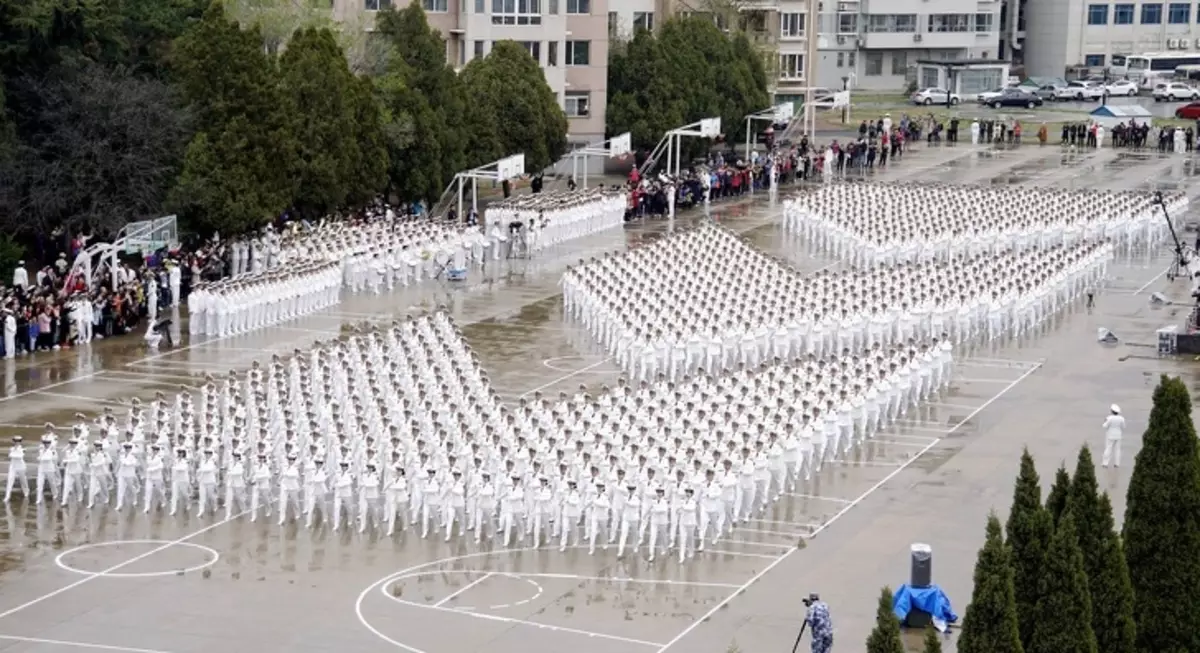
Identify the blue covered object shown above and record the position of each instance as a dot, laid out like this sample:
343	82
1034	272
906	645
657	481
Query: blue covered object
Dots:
929	599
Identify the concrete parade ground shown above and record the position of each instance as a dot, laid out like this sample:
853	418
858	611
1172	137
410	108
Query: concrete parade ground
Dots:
78	579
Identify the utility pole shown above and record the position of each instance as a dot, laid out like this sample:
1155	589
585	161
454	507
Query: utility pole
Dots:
810	69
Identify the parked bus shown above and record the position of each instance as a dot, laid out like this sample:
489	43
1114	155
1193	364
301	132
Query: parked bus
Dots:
1189	74
1155	68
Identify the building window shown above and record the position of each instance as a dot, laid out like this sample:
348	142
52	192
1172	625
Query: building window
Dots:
1097	14
847	23
612	25
851	59
984	22
899	63
480	6
1093	60
791	66
534	48
950	22
643	20
1123	14
579	6
1118	60
552	8
1179	13
552	53
841	60
1152	14
516	12
436	6
478	49
577	103
874	64
579	53
903	23
376	5
791	25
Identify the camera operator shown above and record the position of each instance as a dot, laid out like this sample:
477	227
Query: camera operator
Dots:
821	624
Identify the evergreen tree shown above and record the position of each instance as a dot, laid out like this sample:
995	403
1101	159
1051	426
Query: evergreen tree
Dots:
1029	529
236	170
1108	579
1063	621
933	642
1162	526
990	624
1056	501
1112	593
885	638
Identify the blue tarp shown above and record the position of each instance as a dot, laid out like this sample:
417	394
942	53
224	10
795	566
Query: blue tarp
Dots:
930	599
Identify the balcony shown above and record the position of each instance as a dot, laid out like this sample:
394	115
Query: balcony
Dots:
892	40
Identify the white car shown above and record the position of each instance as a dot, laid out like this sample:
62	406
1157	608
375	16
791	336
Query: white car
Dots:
1175	92
986	97
931	96
1122	87
1079	91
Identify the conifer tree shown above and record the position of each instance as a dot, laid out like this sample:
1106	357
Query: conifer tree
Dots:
990	623
1162	526
1063	621
933	643
885	638
1029	529
1056	501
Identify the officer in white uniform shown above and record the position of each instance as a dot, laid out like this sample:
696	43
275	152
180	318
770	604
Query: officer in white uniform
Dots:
1114	431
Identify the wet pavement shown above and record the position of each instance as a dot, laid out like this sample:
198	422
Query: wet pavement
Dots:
154	583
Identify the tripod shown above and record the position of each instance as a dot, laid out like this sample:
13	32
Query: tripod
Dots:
797	644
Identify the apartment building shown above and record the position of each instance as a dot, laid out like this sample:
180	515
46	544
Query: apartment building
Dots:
568	38
1074	36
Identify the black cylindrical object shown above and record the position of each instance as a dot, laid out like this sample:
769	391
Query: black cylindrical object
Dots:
922	566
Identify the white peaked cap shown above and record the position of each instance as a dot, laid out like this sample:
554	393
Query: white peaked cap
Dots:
1115	409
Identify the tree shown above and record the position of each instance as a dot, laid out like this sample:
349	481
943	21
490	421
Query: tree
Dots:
933	644
990	624
1112	592
1108	578
277	21
1063	623
236	172
425	107
1028	529
332	121
98	147
647	111
1056	501
885	638
1162	526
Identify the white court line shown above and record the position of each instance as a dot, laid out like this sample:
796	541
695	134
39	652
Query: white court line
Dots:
901	443
511	620
39	427
614	579
734	540
147	378
92	645
881	463
974	361
767	532
945	405
914	427
121	565
923	439
965	380
816	497
784	523
841	513
96	400
1151	281
565	377
738	554
462	590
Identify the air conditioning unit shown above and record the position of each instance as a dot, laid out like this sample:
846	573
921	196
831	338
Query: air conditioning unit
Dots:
1172	44
916	38
861	43
841	40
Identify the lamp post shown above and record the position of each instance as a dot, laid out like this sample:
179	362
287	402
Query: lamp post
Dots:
1104	95
846	107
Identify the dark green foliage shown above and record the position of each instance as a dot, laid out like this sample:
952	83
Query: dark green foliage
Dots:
1063	622
933	641
885	638
1028	529
1162	527
1056	501
237	170
990	623
508	84
699	72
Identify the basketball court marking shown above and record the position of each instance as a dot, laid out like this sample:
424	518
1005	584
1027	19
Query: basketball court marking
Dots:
91	645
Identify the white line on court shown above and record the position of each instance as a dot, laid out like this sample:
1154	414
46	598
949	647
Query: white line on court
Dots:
462	590
784	523
769	532
122	565
614	579
841	513
883	463
734	540
738	554
565	377
575	631
1152	280
91	645
816	497
96	400
925	429
147	378
964	380
923	439
890	442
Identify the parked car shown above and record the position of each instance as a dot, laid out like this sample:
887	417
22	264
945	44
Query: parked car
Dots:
931	96
1046	92
1122	87
986	97
1175	92
1189	111
1015	97
1079	91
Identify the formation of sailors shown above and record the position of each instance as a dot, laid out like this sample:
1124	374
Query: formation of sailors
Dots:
551	218
705	298
260	299
886	224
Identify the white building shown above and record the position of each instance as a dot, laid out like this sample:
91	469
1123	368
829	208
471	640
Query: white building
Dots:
1066	35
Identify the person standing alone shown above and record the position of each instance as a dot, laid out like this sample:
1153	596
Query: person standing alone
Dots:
1114	429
